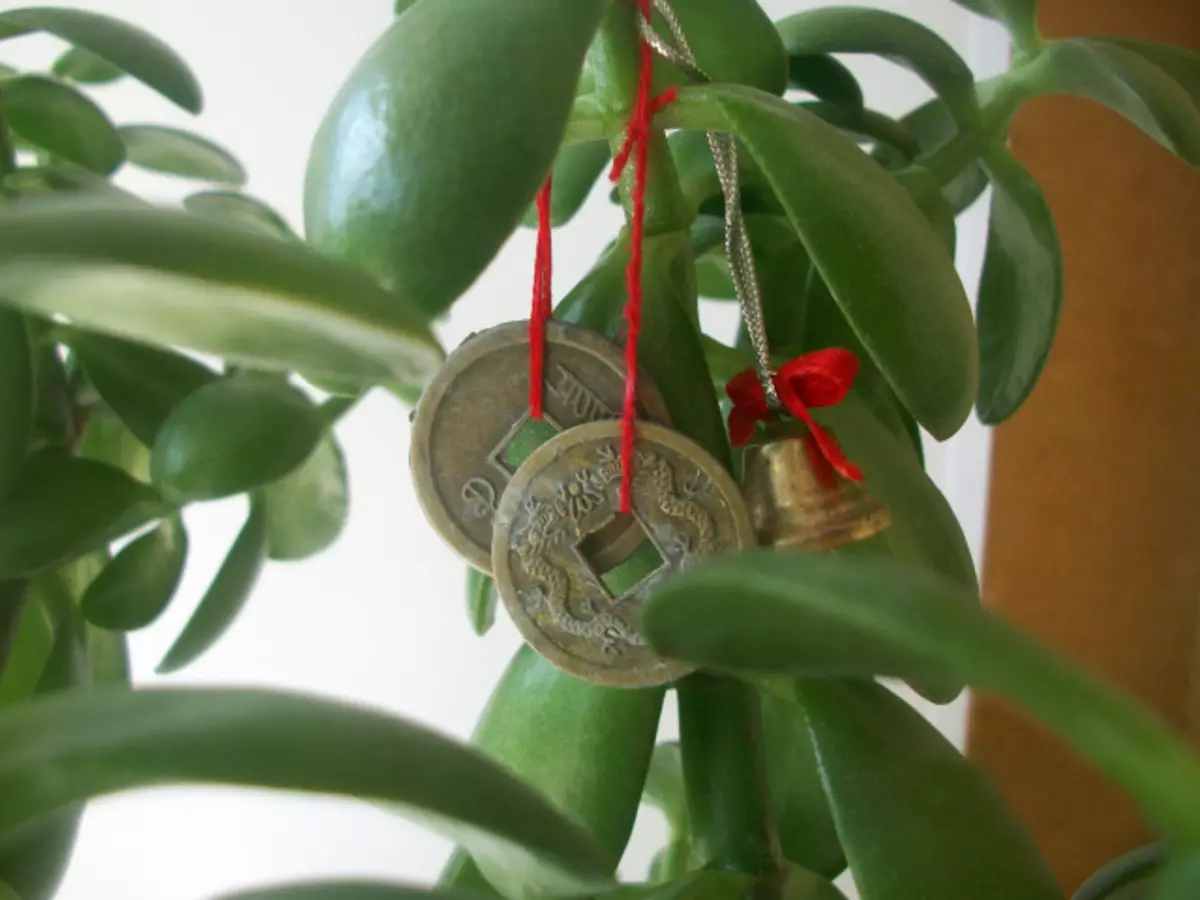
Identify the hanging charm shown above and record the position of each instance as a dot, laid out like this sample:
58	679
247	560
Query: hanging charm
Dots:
473	425
580	612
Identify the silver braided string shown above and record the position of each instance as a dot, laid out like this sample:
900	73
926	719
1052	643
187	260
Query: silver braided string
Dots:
737	240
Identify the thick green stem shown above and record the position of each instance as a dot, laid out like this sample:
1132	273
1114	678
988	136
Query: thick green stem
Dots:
720	725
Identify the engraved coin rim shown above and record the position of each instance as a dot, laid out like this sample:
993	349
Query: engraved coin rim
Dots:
510	505
475	348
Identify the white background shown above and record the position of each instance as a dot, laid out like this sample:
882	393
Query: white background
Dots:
380	618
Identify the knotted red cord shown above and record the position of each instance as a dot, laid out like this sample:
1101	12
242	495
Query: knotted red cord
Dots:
637	145
820	378
542	296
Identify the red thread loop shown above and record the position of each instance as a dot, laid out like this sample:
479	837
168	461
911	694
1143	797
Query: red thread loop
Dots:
542	296
637	147
820	378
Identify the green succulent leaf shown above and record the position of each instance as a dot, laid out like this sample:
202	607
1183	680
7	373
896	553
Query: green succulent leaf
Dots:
235	434
916	818
62	507
67	749
1126	82
54	116
346	890
226	596
1128	878
108	441
12	611
866	125
133	590
807	835
845	29
420	192
1180	879
85	67
481	601
307	509
142	385
172	151
734	42
932	125
826	78
1021	291
16	396
30	635
1182	64
927	194
664	788
575	172
109	653
234	208
60	176
170	278
118	43
884	264
806	615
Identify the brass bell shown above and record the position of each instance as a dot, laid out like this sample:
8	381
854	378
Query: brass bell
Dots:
798	502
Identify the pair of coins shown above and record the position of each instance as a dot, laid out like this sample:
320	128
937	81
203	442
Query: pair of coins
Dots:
536	503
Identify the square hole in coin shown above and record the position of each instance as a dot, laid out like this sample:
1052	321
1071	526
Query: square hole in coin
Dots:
621	554
527	436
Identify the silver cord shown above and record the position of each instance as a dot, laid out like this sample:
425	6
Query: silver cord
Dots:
737	240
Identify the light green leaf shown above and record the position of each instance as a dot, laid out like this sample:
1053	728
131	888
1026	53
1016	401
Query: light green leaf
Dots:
175	152
346	890
239	209
882	261
233	435
85	67
664	788
804	615
1124	81
225	597
57	118
826	78
927	194
932	126
62	176
422	192
109	441
72	748
734	42
481	601
1180	63
307	509
16	396
575	172
1128	878
916	819
31	635
133	590
866	125
63	507
135	51
109	653
141	385
171	278
1021	291
845	29
1180	880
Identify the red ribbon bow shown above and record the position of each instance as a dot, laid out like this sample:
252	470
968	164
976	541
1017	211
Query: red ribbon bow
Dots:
820	378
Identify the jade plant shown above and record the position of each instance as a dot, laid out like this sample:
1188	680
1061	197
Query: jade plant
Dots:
151	358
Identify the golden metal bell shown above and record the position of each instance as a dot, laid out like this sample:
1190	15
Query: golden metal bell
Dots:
798	501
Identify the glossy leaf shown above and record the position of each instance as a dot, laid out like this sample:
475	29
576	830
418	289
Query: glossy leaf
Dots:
307	509
826	78
927	194
932	126
821	614
133	590
1124	81
30	640
109	441
16	396
234	208
916	818
807	835
734	42
171	278
175	152
57	118
1128	878
225	597
141	385
585	748
1021	291
697	173
867	125
1182	64
62	507
481	601
72	748
845	29
882	261
238	433
664	788
346	890
131	49
420	192
575	172
85	67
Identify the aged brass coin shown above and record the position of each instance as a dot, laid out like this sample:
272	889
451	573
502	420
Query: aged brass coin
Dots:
582	614
472	427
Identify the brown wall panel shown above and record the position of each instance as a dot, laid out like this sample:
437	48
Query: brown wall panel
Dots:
1094	524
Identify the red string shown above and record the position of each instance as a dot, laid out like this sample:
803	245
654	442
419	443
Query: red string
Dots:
820	378
637	145
542	296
